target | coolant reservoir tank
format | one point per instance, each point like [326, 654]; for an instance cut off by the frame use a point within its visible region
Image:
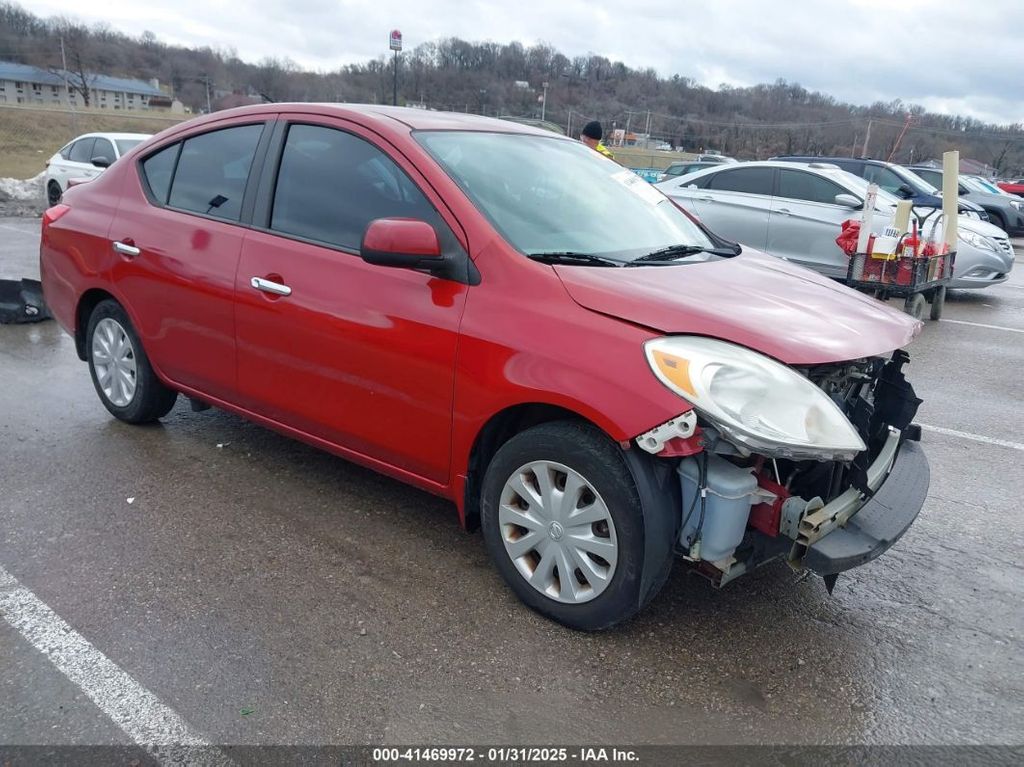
[731, 492]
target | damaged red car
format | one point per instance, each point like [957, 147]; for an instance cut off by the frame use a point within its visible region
[505, 318]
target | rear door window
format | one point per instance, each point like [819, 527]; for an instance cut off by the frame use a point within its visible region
[332, 184]
[798, 185]
[749, 180]
[81, 150]
[212, 171]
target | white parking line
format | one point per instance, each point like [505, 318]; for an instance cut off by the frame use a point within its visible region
[143, 717]
[974, 437]
[983, 325]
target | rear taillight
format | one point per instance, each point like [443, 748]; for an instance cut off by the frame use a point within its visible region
[52, 214]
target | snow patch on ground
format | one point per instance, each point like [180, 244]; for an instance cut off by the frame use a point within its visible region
[22, 197]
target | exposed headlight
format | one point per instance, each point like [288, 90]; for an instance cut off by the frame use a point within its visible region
[758, 404]
[977, 241]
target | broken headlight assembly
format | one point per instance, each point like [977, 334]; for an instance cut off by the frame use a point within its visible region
[758, 404]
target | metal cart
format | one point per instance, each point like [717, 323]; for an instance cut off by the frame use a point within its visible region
[918, 280]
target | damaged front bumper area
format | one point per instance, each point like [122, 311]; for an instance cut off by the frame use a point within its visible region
[871, 526]
[741, 510]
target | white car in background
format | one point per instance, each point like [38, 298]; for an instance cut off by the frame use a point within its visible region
[84, 158]
[795, 211]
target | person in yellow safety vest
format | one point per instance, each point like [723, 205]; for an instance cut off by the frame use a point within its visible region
[591, 136]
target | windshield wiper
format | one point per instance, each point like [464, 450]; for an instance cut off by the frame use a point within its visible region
[674, 252]
[573, 257]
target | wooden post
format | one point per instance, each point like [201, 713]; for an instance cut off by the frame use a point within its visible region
[950, 197]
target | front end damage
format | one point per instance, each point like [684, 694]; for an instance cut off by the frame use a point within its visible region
[740, 509]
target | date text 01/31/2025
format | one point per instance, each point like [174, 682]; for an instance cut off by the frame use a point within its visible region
[501, 754]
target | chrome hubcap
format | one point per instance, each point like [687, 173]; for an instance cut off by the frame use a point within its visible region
[558, 532]
[113, 359]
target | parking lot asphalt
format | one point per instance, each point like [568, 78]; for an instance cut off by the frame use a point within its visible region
[268, 593]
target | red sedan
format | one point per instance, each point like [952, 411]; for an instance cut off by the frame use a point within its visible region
[502, 317]
[1013, 187]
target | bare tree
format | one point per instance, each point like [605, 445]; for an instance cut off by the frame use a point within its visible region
[74, 40]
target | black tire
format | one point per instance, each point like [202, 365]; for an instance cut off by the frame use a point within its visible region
[150, 400]
[914, 305]
[996, 219]
[53, 193]
[638, 574]
[938, 301]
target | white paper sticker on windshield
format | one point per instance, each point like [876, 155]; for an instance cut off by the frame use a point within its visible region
[639, 187]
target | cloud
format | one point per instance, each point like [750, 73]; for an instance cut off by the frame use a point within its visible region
[948, 56]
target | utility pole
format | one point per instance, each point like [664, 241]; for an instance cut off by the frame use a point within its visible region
[647, 131]
[544, 102]
[867, 138]
[206, 79]
[568, 125]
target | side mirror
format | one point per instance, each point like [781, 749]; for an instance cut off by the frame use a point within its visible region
[848, 201]
[905, 191]
[963, 190]
[406, 243]
[101, 161]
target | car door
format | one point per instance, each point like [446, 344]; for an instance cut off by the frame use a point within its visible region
[736, 203]
[178, 233]
[104, 148]
[805, 221]
[358, 355]
[78, 163]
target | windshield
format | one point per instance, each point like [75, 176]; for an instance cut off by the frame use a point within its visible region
[985, 186]
[125, 144]
[549, 195]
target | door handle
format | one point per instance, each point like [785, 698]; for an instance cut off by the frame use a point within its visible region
[270, 287]
[782, 211]
[706, 199]
[126, 249]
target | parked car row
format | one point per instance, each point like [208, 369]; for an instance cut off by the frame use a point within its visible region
[445, 298]
[795, 211]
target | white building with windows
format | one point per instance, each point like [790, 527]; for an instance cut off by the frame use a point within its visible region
[32, 86]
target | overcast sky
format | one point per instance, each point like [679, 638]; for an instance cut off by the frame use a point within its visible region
[951, 56]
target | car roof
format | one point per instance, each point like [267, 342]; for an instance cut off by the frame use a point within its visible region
[825, 169]
[411, 119]
[102, 134]
[832, 158]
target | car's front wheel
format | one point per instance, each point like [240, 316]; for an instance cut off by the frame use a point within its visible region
[120, 369]
[565, 527]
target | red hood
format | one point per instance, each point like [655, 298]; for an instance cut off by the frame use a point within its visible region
[782, 310]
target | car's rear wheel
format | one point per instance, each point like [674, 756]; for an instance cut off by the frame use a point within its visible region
[120, 369]
[564, 525]
[53, 193]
